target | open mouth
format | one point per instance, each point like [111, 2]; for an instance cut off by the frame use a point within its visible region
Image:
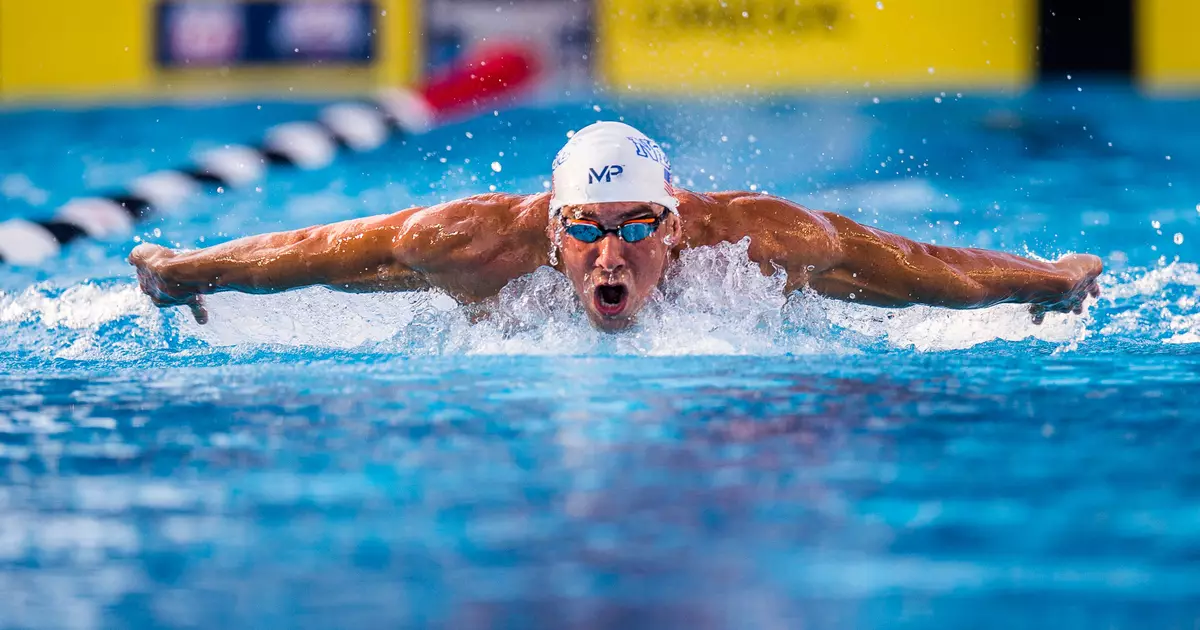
[610, 298]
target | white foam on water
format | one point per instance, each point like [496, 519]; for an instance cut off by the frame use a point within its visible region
[309, 317]
[67, 324]
[1136, 282]
[714, 301]
[81, 306]
[927, 328]
[905, 196]
[1167, 295]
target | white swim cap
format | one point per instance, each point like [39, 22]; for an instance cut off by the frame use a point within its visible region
[611, 161]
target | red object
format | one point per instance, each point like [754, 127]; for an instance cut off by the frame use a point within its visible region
[489, 75]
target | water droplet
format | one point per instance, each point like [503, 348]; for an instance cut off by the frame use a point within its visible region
[1156, 224]
[1178, 238]
[879, 5]
[496, 166]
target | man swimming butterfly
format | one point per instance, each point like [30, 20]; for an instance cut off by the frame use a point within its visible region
[612, 224]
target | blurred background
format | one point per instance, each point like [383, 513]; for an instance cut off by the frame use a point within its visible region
[127, 49]
[136, 49]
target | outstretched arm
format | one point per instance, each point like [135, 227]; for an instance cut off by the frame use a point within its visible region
[356, 255]
[468, 247]
[854, 262]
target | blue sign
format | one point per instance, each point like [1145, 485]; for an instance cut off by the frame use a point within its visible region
[203, 33]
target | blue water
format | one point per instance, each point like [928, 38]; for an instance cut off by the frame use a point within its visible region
[739, 460]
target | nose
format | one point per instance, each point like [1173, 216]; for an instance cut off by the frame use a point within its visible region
[610, 258]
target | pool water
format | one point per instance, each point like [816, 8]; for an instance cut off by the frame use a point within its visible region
[740, 459]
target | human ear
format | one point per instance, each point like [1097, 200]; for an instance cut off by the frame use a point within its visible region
[674, 229]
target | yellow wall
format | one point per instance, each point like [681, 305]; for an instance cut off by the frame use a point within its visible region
[104, 48]
[715, 46]
[401, 42]
[83, 47]
[1167, 54]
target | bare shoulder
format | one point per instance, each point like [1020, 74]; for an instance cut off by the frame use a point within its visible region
[499, 234]
[477, 216]
[473, 209]
[769, 220]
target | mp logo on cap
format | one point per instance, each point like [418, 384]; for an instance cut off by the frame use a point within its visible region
[606, 173]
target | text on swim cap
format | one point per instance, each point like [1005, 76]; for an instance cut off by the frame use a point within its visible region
[648, 148]
[560, 158]
[606, 173]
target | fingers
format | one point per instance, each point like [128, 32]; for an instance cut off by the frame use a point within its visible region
[143, 253]
[196, 304]
[137, 255]
[1094, 290]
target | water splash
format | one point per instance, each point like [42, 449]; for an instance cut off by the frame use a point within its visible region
[1168, 295]
[714, 301]
[86, 321]
[899, 196]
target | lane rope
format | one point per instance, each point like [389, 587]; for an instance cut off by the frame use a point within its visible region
[486, 78]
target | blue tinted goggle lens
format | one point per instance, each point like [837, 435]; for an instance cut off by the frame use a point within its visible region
[634, 232]
[629, 232]
[584, 232]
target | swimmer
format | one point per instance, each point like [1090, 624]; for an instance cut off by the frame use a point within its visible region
[612, 224]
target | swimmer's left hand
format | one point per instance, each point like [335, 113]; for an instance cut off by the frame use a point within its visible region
[1080, 271]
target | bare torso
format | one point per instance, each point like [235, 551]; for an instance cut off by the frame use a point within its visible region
[471, 248]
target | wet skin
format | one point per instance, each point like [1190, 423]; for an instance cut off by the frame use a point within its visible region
[472, 247]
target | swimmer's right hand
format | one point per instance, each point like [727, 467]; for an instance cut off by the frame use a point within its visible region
[1080, 272]
[154, 272]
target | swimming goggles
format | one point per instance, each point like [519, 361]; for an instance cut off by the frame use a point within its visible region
[629, 231]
